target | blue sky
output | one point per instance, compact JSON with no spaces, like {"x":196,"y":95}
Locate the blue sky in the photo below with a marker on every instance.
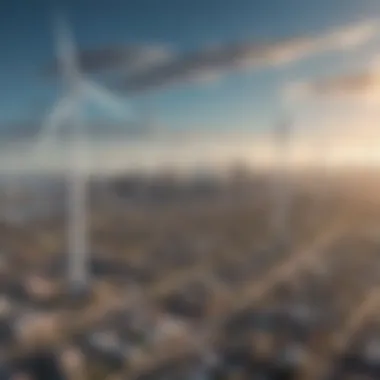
{"x":246,"y":99}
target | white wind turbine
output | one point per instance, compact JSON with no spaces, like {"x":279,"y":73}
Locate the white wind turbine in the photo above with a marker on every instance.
{"x":69,"y":111}
{"x":282,"y":184}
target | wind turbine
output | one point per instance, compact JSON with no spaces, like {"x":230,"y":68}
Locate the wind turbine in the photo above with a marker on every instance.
{"x":282,"y":184}
{"x":70,"y":109}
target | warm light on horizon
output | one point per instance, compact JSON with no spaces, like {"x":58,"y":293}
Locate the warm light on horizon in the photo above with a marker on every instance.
{"x":215,"y":150}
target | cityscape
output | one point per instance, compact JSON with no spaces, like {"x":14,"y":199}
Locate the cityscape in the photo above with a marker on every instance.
{"x":145,"y":235}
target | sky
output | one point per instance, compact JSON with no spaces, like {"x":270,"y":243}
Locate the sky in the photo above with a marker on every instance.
{"x":197,"y":66}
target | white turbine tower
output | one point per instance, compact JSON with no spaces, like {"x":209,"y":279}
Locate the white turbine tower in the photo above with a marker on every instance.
{"x":69,"y":111}
{"x":282,"y":183}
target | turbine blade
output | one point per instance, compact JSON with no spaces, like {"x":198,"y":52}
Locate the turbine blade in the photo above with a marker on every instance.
{"x":106,"y":98}
{"x":67,"y":58}
{"x":50,"y":126}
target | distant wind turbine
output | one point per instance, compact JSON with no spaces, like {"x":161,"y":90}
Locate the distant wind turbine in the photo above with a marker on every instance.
{"x":282,"y":185}
{"x":69,"y":111}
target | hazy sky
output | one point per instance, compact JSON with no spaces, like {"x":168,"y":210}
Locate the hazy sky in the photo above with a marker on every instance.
{"x":199,"y":65}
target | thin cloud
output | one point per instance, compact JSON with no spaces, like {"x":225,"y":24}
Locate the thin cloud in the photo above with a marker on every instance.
{"x":130,"y":59}
{"x":215,"y":62}
{"x":361,"y":85}
{"x":152,"y":67}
